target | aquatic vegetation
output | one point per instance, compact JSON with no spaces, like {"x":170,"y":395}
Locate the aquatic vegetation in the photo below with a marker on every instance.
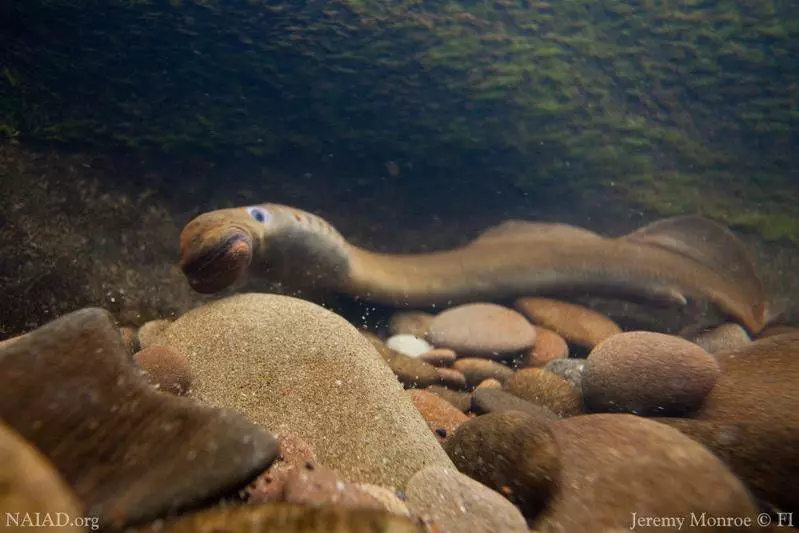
{"x":664,"y":101}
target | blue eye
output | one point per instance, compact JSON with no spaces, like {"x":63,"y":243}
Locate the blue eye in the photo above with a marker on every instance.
{"x":258,"y":214}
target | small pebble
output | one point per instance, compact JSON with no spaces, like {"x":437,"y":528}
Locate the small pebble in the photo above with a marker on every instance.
{"x":452,"y":378}
{"x":167,"y":370}
{"x":489,"y":383}
{"x":575,"y":323}
{"x":571,"y":370}
{"x":408,"y":344}
{"x":477,"y":369}
{"x":439,"y":357}
{"x":724,"y":337}
{"x":415,"y":323}
{"x":442,"y":417}
{"x":544,"y":388}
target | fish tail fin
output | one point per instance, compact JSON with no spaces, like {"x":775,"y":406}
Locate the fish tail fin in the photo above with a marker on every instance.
{"x":714,"y":246}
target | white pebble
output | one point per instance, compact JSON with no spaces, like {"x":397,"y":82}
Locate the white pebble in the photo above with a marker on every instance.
{"x":408,"y":344}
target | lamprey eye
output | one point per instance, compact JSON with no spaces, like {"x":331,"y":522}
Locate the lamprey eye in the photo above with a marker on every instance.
{"x":260,"y":215}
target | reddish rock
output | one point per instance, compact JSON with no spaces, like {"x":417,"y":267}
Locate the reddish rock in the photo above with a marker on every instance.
{"x":442,"y":417}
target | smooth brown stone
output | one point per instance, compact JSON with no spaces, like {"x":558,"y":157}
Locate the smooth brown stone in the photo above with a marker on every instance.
{"x":130,"y":454}
{"x":758,"y":388}
{"x":483,"y":330}
{"x":511,"y":452}
{"x":452,"y":378}
{"x":30,"y":484}
{"x":486,"y":401}
{"x":439,"y":357}
{"x":290,"y":518}
{"x":548,"y":347}
{"x":414,"y":323}
{"x":648,"y":374}
{"x":460,"y":399}
{"x":544,"y":388}
{"x":618,"y":464}
{"x":758,"y":383}
{"x":724,"y":337}
{"x":167,"y":370}
{"x":575,"y":323}
{"x":764,"y":456}
{"x":773,"y":331}
{"x":477,"y":370}
{"x":489,"y":383}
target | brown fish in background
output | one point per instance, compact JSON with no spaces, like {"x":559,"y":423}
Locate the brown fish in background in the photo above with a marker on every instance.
{"x":667,"y":262}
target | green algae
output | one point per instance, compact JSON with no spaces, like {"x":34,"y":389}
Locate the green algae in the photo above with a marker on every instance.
{"x":667,"y":101}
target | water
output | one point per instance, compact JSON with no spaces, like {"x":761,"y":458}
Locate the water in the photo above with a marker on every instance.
{"x":410,"y":127}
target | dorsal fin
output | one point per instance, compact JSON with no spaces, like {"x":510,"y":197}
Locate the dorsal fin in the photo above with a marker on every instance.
{"x":515,"y":230}
{"x":709,"y":243}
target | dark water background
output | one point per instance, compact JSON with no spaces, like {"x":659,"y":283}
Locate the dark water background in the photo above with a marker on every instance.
{"x":122,"y":120}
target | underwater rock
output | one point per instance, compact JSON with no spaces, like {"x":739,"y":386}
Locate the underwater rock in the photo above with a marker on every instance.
{"x":548,"y":347}
{"x":130,"y":339}
{"x":511,"y":452}
{"x":131,"y":454}
{"x":439,"y":357}
{"x":571,"y":370}
{"x":575,"y":323}
{"x":763,"y":455}
{"x":724,"y":337}
{"x":489,"y":383}
{"x":293,"y":452}
{"x":387,"y":497}
{"x":289,"y":518}
{"x":544,"y":388}
{"x":490,"y":400}
{"x":460,"y":399}
{"x":442,"y":417}
{"x":455,"y":502}
{"x":410,"y":371}
{"x":773,"y":331}
{"x":150,"y":332}
{"x":617,"y":466}
{"x":305,"y":370}
{"x":165,"y":369}
{"x":409,"y":345}
{"x":30,"y":486}
{"x":317,"y":485}
{"x":415,"y":323}
{"x":757,"y":388}
{"x":649,"y":374}
{"x":483,"y":330}
{"x":452,"y":378}
{"x":477,"y":369}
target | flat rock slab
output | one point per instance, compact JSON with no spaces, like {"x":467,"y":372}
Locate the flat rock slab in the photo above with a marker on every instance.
{"x":129,"y":453}
{"x":295,"y":367}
